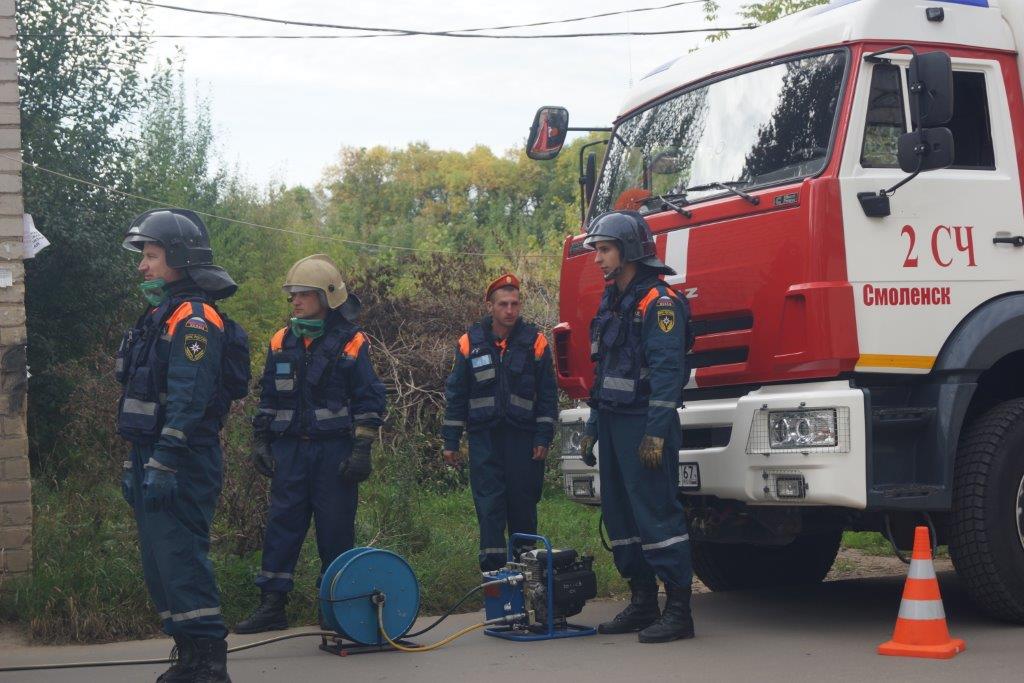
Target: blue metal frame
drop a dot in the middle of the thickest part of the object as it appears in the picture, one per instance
(570, 630)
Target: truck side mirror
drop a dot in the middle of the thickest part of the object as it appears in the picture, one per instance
(925, 149)
(547, 134)
(931, 83)
(590, 178)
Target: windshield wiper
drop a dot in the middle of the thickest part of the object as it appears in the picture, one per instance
(667, 203)
(728, 187)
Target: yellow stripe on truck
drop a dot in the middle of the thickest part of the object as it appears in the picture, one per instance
(880, 360)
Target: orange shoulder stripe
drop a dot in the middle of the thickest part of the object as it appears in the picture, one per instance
(464, 345)
(539, 344)
(354, 344)
(277, 341)
(182, 312)
(653, 295)
(211, 314)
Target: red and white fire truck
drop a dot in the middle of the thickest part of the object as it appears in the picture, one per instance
(840, 193)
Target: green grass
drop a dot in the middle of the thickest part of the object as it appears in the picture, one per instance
(874, 543)
(869, 542)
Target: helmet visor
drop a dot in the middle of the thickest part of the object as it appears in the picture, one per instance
(136, 242)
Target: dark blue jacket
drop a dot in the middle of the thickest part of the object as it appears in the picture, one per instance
(169, 364)
(639, 344)
(319, 388)
(496, 381)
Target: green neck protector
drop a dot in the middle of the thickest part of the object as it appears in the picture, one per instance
(154, 291)
(310, 328)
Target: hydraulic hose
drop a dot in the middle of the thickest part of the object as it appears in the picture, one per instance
(448, 613)
(162, 660)
(277, 639)
(420, 648)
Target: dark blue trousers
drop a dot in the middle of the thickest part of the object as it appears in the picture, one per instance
(175, 544)
(641, 508)
(306, 484)
(506, 482)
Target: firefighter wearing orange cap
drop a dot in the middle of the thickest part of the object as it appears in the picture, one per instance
(502, 393)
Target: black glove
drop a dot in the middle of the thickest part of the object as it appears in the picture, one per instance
(127, 486)
(261, 456)
(587, 444)
(357, 467)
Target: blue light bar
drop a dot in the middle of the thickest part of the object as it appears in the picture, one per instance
(972, 3)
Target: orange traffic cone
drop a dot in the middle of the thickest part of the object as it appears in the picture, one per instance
(921, 629)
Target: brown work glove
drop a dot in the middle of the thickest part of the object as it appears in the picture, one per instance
(650, 451)
(587, 444)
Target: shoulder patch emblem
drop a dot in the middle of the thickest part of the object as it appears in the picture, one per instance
(666, 319)
(664, 302)
(197, 324)
(195, 347)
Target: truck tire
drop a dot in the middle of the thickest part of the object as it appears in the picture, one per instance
(742, 566)
(986, 541)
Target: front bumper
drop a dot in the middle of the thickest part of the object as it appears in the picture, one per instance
(728, 442)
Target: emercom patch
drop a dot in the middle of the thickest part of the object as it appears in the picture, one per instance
(666, 319)
(195, 347)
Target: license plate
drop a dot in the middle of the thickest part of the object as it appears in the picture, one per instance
(689, 476)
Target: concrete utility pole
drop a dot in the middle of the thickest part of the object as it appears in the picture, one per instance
(15, 482)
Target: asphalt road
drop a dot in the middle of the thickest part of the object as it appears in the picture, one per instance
(826, 632)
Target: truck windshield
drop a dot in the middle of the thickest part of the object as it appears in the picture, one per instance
(765, 126)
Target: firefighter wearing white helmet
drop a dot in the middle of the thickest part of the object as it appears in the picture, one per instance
(321, 405)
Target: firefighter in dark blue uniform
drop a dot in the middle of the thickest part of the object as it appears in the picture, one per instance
(171, 411)
(639, 344)
(321, 408)
(502, 391)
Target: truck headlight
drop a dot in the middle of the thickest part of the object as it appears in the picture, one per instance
(570, 434)
(802, 429)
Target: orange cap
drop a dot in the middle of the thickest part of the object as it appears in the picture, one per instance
(506, 280)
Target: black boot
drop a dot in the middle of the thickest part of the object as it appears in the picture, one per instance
(211, 661)
(640, 613)
(269, 616)
(676, 621)
(183, 657)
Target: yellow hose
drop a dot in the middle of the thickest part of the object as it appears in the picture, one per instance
(420, 648)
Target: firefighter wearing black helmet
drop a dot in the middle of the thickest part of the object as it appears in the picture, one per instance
(639, 343)
(171, 410)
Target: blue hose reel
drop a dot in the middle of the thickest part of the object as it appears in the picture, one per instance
(349, 583)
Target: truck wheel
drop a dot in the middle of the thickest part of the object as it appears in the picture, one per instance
(987, 537)
(740, 566)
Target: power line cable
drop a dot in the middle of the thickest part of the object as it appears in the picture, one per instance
(355, 243)
(278, 36)
(401, 31)
(384, 32)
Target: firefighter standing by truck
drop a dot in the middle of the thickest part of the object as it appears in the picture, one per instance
(320, 410)
(639, 342)
(180, 365)
(502, 391)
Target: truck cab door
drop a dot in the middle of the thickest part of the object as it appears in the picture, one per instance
(919, 271)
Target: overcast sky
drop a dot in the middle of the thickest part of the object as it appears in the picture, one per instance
(283, 108)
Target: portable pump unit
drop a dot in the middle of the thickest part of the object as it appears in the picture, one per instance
(539, 592)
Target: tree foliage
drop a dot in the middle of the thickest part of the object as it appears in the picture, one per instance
(80, 93)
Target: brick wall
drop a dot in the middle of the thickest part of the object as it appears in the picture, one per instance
(15, 483)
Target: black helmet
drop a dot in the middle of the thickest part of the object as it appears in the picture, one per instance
(633, 235)
(186, 242)
(179, 231)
